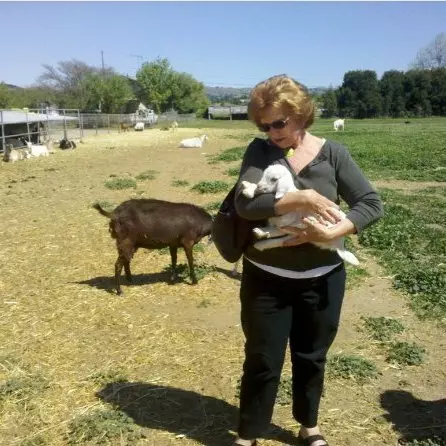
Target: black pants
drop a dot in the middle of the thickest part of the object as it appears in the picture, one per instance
(274, 310)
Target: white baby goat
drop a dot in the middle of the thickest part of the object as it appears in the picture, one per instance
(194, 142)
(338, 124)
(37, 150)
(277, 178)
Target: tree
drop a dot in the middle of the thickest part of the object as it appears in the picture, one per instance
(5, 96)
(188, 95)
(111, 92)
(438, 91)
(359, 95)
(432, 55)
(329, 104)
(417, 86)
(67, 79)
(392, 92)
(156, 80)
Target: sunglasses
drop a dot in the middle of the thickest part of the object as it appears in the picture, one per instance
(278, 125)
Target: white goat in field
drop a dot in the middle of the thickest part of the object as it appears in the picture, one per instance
(174, 126)
(139, 126)
(12, 155)
(277, 178)
(338, 124)
(194, 142)
(36, 150)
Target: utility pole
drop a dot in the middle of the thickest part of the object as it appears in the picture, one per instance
(102, 59)
(140, 59)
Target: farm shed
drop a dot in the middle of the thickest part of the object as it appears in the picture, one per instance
(29, 125)
(233, 111)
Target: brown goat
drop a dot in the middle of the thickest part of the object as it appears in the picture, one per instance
(156, 224)
(125, 127)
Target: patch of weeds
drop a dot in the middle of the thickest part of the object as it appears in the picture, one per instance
(23, 388)
(50, 169)
(108, 376)
(110, 147)
(120, 183)
(201, 271)
(228, 155)
(382, 328)
(180, 183)
(113, 175)
(210, 187)
(233, 171)
(351, 367)
(355, 276)
(147, 175)
(411, 244)
(101, 427)
(204, 303)
(199, 247)
(106, 205)
(403, 353)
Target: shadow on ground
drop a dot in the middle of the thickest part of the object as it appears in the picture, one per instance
(415, 419)
(107, 283)
(202, 418)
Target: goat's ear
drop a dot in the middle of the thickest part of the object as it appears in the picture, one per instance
(282, 187)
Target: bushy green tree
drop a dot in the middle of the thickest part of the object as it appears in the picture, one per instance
(360, 96)
(417, 85)
(438, 91)
(329, 104)
(156, 80)
(111, 92)
(188, 95)
(5, 96)
(392, 92)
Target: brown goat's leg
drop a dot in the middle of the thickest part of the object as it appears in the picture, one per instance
(118, 269)
(128, 273)
(125, 252)
(173, 256)
(188, 249)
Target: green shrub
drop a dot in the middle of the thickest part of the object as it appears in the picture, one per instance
(382, 328)
(210, 187)
(120, 183)
(147, 175)
(403, 353)
(351, 367)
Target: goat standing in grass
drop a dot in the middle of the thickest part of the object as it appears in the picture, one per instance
(339, 124)
(156, 224)
(174, 126)
(278, 179)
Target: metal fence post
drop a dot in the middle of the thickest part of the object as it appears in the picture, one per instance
(3, 131)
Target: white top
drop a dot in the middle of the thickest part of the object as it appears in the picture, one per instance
(315, 272)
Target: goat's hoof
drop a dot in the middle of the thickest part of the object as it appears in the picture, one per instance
(119, 292)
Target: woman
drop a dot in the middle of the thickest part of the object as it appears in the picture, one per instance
(294, 293)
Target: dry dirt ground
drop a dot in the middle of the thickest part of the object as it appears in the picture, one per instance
(178, 348)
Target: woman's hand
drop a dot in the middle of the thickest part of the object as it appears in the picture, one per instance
(322, 207)
(314, 232)
(317, 232)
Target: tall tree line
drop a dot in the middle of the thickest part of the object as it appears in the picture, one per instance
(417, 92)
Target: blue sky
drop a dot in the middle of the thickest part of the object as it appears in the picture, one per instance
(219, 43)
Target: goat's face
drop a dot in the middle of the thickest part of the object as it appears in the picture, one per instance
(277, 179)
(204, 138)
